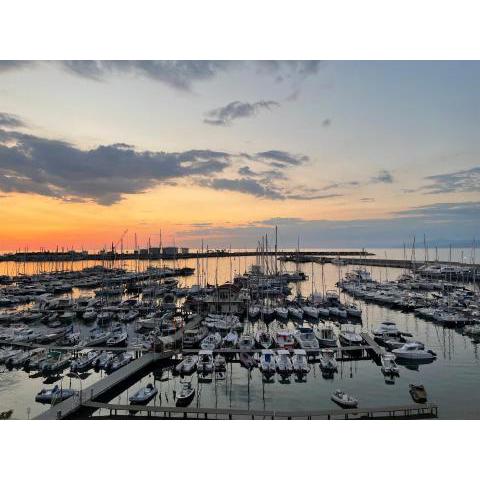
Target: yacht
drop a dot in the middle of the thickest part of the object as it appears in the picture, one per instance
(326, 336)
(328, 362)
(187, 365)
(253, 312)
(97, 336)
(143, 395)
(414, 351)
(348, 337)
(353, 310)
(55, 362)
(283, 362)
(300, 363)
(220, 364)
(118, 338)
(306, 340)
(267, 313)
(337, 312)
(205, 361)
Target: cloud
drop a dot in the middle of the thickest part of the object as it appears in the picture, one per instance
(384, 176)
(445, 211)
(281, 159)
(461, 181)
(104, 174)
(11, 121)
(367, 200)
(11, 65)
(283, 70)
(224, 116)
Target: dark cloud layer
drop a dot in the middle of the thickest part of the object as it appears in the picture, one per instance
(30, 164)
(224, 116)
(461, 181)
(384, 176)
(8, 120)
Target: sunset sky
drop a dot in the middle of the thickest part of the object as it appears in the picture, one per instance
(353, 154)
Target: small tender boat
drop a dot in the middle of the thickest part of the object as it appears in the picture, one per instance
(389, 366)
(186, 394)
(300, 363)
(55, 362)
(353, 310)
(414, 351)
(205, 361)
(418, 393)
(344, 400)
(328, 362)
(103, 360)
(283, 362)
(267, 363)
(187, 365)
(144, 395)
(54, 395)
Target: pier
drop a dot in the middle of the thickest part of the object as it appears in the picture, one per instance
(412, 411)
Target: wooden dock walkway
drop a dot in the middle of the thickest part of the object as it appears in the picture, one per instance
(104, 387)
(427, 410)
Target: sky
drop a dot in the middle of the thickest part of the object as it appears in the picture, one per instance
(336, 154)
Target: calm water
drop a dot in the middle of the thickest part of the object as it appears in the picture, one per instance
(452, 381)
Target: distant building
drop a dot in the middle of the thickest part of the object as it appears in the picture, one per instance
(172, 251)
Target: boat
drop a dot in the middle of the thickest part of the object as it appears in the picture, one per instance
(418, 393)
(246, 342)
(267, 363)
(263, 339)
(97, 336)
(348, 337)
(310, 311)
(205, 361)
(187, 365)
(55, 362)
(413, 351)
(103, 360)
(211, 341)
(118, 338)
(281, 313)
(389, 366)
(247, 360)
(336, 311)
(326, 336)
(143, 395)
(253, 312)
(283, 362)
(220, 364)
(344, 400)
(84, 361)
(230, 341)
(295, 312)
(21, 358)
(306, 340)
(54, 395)
(284, 339)
(328, 362)
(186, 395)
(299, 362)
(119, 361)
(193, 337)
(353, 310)
(389, 328)
(267, 313)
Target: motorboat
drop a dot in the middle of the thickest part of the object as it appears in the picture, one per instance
(193, 337)
(295, 312)
(389, 366)
(19, 360)
(336, 311)
(186, 395)
(247, 360)
(55, 362)
(220, 364)
(187, 365)
(413, 351)
(328, 362)
(267, 313)
(283, 362)
(306, 340)
(299, 362)
(118, 338)
(97, 336)
(246, 342)
(353, 310)
(263, 339)
(84, 361)
(119, 361)
(54, 395)
(418, 393)
(348, 336)
(281, 313)
(323, 311)
(205, 361)
(267, 363)
(326, 336)
(103, 360)
(253, 312)
(211, 341)
(310, 311)
(143, 395)
(231, 340)
(344, 400)
(284, 339)
(389, 328)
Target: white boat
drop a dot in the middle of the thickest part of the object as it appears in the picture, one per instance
(143, 395)
(118, 337)
(119, 361)
(337, 312)
(283, 362)
(187, 365)
(344, 400)
(186, 394)
(7, 353)
(389, 366)
(97, 337)
(84, 361)
(281, 313)
(55, 362)
(267, 363)
(328, 362)
(211, 341)
(309, 311)
(263, 339)
(205, 361)
(353, 310)
(19, 360)
(299, 362)
(349, 337)
(231, 340)
(193, 337)
(389, 328)
(103, 360)
(326, 336)
(413, 351)
(306, 340)
(284, 339)
(220, 364)
(54, 395)
(246, 342)
(295, 312)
